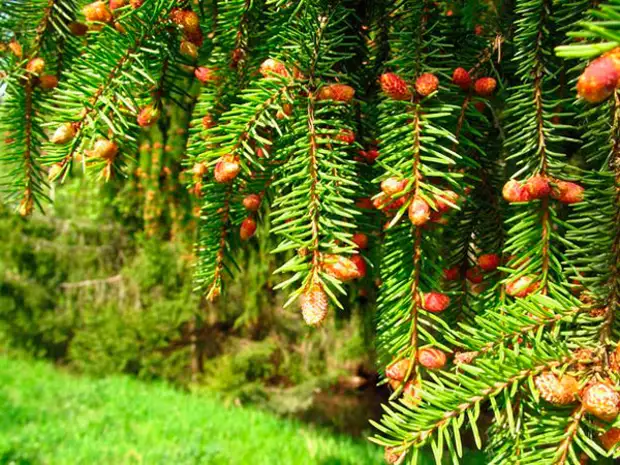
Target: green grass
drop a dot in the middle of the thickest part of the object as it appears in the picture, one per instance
(51, 417)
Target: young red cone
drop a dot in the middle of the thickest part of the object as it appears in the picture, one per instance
(395, 87)
(538, 187)
(361, 240)
(446, 200)
(567, 192)
(488, 262)
(419, 212)
(485, 86)
(205, 75)
(271, 67)
(393, 186)
(48, 82)
(397, 370)
(248, 228)
(226, 169)
(513, 191)
(521, 287)
(36, 66)
(461, 78)
(252, 202)
(474, 275)
(148, 116)
(337, 92)
(435, 302)
(433, 359)
(426, 84)
(599, 80)
(610, 438)
(452, 274)
(360, 263)
(340, 267)
(346, 135)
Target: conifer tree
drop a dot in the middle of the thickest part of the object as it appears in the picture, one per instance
(463, 156)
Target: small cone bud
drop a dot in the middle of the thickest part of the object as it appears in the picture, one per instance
(521, 287)
(557, 391)
(208, 122)
(364, 204)
(36, 66)
(419, 212)
(63, 134)
(26, 206)
(271, 67)
(567, 192)
(452, 274)
(435, 302)
(340, 267)
(426, 84)
(314, 305)
(346, 135)
(393, 456)
(248, 229)
(397, 370)
(392, 186)
(115, 4)
(78, 29)
(148, 116)
(599, 80)
(446, 200)
(360, 263)
(412, 394)
(433, 359)
(610, 438)
(226, 169)
(336, 92)
(485, 86)
(474, 275)
(205, 75)
(16, 48)
(538, 187)
(97, 12)
(48, 82)
(394, 87)
(252, 202)
(199, 170)
(188, 49)
(371, 155)
(360, 240)
(461, 78)
(601, 400)
(513, 191)
(104, 149)
(488, 262)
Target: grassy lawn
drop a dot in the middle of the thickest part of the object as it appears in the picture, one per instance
(50, 417)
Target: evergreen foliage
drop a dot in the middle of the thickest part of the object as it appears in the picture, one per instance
(449, 133)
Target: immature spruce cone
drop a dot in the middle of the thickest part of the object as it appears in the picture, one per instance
(601, 400)
(557, 391)
(314, 305)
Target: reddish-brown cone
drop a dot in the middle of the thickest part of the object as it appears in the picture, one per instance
(36, 66)
(360, 240)
(247, 229)
(538, 187)
(395, 87)
(433, 359)
(485, 86)
(513, 191)
(599, 80)
(360, 263)
(115, 4)
(602, 401)
(426, 84)
(346, 135)
(451, 274)
(488, 262)
(314, 305)
(557, 391)
(446, 200)
(97, 11)
(226, 169)
(205, 75)
(392, 186)
(148, 116)
(271, 67)
(461, 78)
(370, 155)
(435, 302)
(397, 370)
(48, 81)
(337, 92)
(610, 438)
(252, 202)
(340, 267)
(419, 212)
(567, 192)
(474, 275)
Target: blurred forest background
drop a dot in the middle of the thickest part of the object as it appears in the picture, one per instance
(102, 284)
